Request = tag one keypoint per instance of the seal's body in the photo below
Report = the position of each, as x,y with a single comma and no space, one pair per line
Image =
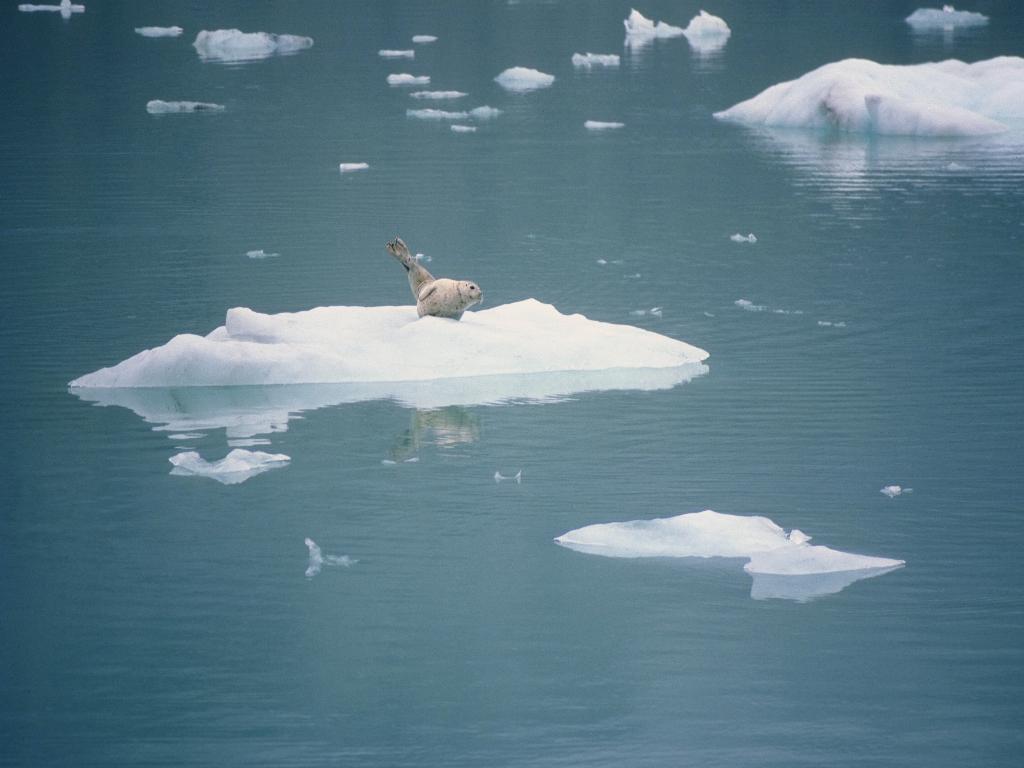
436,297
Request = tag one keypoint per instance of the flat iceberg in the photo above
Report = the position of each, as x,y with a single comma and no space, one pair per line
591,60
947,17
159,107
386,53
793,566
159,31
641,30
237,467
597,125
948,98
523,79
349,167
404,78
259,253
437,94
421,39
435,114
233,45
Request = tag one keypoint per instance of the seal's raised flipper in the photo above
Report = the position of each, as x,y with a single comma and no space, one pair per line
418,275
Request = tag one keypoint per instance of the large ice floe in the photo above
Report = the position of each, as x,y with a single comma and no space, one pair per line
524,351
947,17
237,467
640,30
523,79
783,565
948,98
233,45
160,107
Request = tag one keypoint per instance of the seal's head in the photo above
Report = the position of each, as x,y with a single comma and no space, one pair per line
470,293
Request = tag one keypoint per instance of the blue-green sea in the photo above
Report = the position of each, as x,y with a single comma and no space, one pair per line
155,619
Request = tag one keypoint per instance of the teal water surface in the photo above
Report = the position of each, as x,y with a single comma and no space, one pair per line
155,619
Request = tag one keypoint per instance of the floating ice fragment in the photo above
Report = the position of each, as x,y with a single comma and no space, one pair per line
602,261
769,551
597,125
749,305
463,128
421,257
406,79
517,478
387,53
640,29
634,276
437,94
435,114
159,107
233,45
930,19
186,436
159,31
261,254
317,559
955,166
420,39
892,491
738,238
656,311
832,324
707,34
349,167
484,113
247,442
237,467
591,60
65,9
948,98
523,79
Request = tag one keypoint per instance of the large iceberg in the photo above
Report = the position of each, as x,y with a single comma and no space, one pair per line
523,79
794,567
948,98
947,17
235,45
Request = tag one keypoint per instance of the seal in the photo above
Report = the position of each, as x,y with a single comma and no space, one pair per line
438,297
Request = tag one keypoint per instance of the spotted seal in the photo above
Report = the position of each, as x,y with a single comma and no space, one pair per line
439,297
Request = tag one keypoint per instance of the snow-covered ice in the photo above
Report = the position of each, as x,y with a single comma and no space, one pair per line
349,167
421,39
463,129
769,550
387,53
523,79
641,30
948,98
65,9
437,94
591,60
597,125
517,478
237,467
159,31
947,17
259,253
160,107
404,78
738,238
892,491
317,559
234,45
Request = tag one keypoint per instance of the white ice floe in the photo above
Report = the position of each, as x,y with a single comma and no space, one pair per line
738,238
421,39
437,94
947,17
317,559
259,253
517,478
349,167
387,53
640,29
482,113
234,45
65,9
159,31
793,567
591,60
391,345
237,467
185,436
523,79
949,98
892,491
463,129
404,78
597,125
159,107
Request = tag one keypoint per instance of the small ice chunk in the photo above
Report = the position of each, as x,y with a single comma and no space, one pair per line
65,9
955,166
180,436
591,60
749,305
435,114
437,94
261,254
463,128
237,467
484,113
597,125
349,167
247,442
317,559
738,238
639,28
656,311
423,258
523,79
233,45
602,261
405,78
706,33
421,39
387,53
927,19
831,324
517,478
892,491
159,107
159,31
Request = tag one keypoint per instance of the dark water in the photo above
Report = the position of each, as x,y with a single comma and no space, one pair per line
154,619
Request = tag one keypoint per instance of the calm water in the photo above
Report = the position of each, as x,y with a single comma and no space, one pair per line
150,619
